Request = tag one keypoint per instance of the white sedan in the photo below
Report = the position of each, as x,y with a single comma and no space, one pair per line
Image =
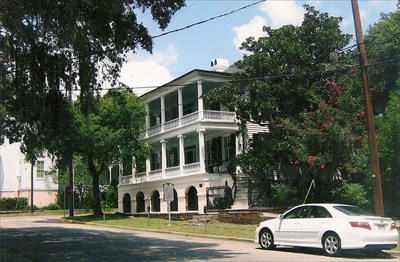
332,227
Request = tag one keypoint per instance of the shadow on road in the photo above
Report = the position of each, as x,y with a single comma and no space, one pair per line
66,244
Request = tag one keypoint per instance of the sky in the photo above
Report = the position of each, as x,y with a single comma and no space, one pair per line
178,53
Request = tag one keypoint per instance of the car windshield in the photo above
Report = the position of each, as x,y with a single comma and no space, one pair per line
353,211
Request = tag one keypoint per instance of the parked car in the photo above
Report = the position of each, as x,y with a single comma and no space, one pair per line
332,227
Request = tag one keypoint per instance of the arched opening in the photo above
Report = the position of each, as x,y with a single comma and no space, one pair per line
192,199
126,203
140,205
155,202
174,204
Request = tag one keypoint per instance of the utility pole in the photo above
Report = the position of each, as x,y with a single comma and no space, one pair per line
373,149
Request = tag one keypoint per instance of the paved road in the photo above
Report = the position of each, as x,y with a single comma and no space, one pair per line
49,239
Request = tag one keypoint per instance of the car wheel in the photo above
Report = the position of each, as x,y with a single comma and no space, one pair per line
331,244
266,239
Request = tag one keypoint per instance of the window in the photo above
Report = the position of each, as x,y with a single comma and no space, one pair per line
319,212
155,161
353,210
300,212
40,169
190,154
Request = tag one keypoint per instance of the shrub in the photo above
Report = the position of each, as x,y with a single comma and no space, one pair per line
351,193
283,194
12,204
51,207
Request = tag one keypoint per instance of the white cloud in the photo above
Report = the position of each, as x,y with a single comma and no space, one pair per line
279,13
142,72
283,12
253,28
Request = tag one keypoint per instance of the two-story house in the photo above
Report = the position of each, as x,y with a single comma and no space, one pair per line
16,176
192,144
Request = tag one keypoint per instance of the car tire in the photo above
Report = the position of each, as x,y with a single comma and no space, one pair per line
331,244
266,239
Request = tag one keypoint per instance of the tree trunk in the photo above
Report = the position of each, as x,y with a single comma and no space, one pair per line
71,184
96,190
32,179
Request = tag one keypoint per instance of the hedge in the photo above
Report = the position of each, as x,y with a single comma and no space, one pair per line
17,203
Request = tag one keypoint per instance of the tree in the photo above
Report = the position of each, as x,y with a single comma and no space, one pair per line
297,80
109,132
383,50
50,49
389,143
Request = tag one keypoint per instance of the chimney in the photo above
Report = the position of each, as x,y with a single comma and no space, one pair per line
219,65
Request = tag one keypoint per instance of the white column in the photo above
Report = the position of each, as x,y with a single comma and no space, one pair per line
163,157
181,153
110,175
162,112
202,154
200,99
180,106
147,119
148,169
133,167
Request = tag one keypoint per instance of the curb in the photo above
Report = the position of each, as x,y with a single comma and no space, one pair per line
389,252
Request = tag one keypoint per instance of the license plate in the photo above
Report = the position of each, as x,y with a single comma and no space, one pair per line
381,227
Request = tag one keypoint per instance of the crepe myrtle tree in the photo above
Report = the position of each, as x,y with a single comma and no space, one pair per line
109,132
310,102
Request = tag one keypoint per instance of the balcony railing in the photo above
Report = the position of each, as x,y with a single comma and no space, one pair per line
224,116
126,180
190,118
155,174
191,168
171,124
170,172
219,115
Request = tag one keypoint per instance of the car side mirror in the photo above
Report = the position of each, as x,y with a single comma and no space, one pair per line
281,217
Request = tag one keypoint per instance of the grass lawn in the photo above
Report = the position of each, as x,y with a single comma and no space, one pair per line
214,228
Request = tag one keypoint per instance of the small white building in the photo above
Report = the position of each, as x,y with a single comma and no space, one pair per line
15,176
192,145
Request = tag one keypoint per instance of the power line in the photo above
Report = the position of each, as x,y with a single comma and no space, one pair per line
283,76
207,20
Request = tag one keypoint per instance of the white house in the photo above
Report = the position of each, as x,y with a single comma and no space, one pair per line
15,176
192,144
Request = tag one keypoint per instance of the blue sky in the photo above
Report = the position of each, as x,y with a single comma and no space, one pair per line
178,53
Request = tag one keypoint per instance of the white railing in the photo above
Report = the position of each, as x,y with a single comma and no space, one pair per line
155,175
187,119
154,130
219,115
140,177
126,180
190,118
172,171
191,168
171,124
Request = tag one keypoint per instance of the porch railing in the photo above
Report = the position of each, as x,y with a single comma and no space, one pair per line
219,115
191,168
187,119
155,174
172,171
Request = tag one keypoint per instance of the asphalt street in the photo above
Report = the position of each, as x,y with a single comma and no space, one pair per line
50,239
